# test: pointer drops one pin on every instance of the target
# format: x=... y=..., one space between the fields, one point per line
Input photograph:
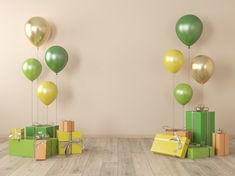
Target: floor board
x=115 y=157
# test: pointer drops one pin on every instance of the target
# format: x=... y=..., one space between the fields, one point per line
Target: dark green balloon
x=56 y=58
x=183 y=93
x=189 y=29
x=31 y=68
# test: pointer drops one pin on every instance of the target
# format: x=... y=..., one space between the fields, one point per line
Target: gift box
x=54 y=145
x=16 y=133
x=23 y=147
x=201 y=125
x=67 y=125
x=41 y=131
x=178 y=132
x=198 y=152
x=43 y=149
x=221 y=143
x=170 y=145
x=70 y=143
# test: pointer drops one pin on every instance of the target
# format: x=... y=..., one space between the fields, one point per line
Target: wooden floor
x=115 y=157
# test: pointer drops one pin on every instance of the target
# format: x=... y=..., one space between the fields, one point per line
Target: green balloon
x=183 y=93
x=56 y=58
x=31 y=68
x=189 y=29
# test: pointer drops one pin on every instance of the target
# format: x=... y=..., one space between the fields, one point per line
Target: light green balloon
x=183 y=93
x=32 y=68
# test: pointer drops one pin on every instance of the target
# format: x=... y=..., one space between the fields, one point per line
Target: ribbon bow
x=15 y=134
x=201 y=107
x=40 y=135
x=68 y=146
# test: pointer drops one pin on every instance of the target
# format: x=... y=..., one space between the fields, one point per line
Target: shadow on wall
x=53 y=32
x=73 y=63
x=206 y=36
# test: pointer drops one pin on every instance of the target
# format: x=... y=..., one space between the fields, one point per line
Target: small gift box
x=24 y=147
x=43 y=149
x=201 y=124
x=221 y=143
x=170 y=145
x=178 y=132
x=41 y=131
x=198 y=152
x=70 y=143
x=67 y=126
x=16 y=133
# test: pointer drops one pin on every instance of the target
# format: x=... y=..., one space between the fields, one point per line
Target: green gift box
x=201 y=124
x=198 y=152
x=41 y=131
x=54 y=146
x=23 y=147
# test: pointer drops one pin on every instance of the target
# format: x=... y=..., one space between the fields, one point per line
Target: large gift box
x=16 y=133
x=23 y=147
x=41 y=131
x=170 y=145
x=198 y=152
x=70 y=142
x=201 y=124
x=221 y=143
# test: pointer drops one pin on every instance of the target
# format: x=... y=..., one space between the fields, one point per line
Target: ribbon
x=15 y=134
x=38 y=148
x=174 y=139
x=202 y=108
x=41 y=135
x=68 y=145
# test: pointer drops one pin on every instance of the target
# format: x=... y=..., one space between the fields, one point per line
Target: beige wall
x=115 y=83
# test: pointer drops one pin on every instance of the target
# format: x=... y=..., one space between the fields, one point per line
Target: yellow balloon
x=173 y=60
x=47 y=92
x=202 y=68
x=37 y=30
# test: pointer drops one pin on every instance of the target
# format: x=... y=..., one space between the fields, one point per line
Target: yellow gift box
x=70 y=142
x=16 y=133
x=170 y=145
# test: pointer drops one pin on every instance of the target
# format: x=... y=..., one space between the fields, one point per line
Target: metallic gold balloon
x=202 y=68
x=47 y=92
x=37 y=30
x=173 y=60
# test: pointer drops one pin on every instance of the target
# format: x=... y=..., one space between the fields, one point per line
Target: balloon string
x=56 y=108
x=37 y=53
x=189 y=64
x=202 y=94
x=32 y=103
x=173 y=102
x=183 y=121
x=189 y=61
x=47 y=114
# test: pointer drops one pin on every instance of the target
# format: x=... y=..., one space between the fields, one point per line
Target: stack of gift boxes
x=198 y=140
x=44 y=141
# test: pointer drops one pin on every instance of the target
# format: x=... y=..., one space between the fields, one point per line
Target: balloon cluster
x=188 y=29
x=38 y=31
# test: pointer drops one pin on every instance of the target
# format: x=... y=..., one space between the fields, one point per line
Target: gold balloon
x=173 y=60
x=202 y=68
x=37 y=30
